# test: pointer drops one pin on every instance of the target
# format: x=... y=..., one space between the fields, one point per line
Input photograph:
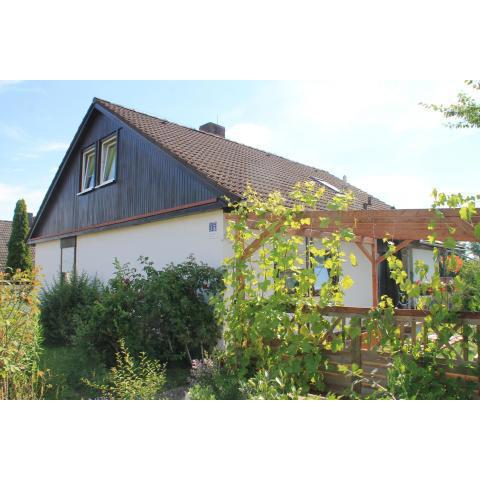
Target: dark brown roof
x=5 y=231
x=232 y=165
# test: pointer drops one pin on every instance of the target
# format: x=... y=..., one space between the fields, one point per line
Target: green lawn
x=67 y=366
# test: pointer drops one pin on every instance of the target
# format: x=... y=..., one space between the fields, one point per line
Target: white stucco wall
x=47 y=259
x=360 y=294
x=163 y=242
x=425 y=255
x=174 y=240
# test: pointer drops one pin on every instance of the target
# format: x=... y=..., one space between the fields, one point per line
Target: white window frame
x=87 y=154
x=103 y=156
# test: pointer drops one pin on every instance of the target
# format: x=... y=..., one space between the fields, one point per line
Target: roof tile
x=232 y=165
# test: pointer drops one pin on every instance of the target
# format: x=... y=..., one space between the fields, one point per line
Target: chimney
x=30 y=219
x=213 y=128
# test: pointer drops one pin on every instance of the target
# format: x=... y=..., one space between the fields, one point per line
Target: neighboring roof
x=5 y=231
x=232 y=165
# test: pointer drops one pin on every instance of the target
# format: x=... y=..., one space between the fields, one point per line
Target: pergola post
x=374 y=273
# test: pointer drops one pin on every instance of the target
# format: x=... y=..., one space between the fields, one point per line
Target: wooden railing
x=363 y=349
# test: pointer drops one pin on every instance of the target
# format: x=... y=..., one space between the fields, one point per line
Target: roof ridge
x=210 y=134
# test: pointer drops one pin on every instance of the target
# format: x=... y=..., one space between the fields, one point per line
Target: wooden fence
x=362 y=350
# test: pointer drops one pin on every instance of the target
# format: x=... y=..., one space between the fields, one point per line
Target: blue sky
x=372 y=131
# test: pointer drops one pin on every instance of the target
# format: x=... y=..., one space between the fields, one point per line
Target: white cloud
x=9 y=194
x=250 y=134
x=4 y=84
x=12 y=132
x=52 y=147
x=400 y=191
x=336 y=106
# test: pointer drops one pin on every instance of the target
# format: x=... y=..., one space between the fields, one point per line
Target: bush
x=264 y=387
x=210 y=380
x=132 y=379
x=471 y=294
x=164 y=313
x=20 y=337
x=414 y=377
x=65 y=305
x=198 y=392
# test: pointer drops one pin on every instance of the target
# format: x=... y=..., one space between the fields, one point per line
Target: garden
x=259 y=328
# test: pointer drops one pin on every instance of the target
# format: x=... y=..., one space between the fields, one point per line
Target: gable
x=148 y=181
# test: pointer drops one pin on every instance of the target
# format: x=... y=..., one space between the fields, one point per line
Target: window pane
x=68 y=259
x=111 y=156
x=88 y=170
x=321 y=274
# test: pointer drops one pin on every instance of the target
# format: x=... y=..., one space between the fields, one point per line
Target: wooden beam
x=364 y=250
x=398 y=247
x=257 y=243
x=374 y=275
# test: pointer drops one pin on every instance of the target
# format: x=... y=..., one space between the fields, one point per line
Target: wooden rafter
x=402 y=225
x=361 y=246
x=406 y=224
x=402 y=244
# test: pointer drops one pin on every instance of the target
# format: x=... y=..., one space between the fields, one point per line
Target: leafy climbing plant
x=269 y=309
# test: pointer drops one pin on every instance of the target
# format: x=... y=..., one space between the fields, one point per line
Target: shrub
x=20 y=337
x=471 y=277
x=177 y=311
x=422 y=377
x=210 y=380
x=132 y=379
x=65 y=305
x=165 y=313
x=264 y=387
x=115 y=316
x=199 y=392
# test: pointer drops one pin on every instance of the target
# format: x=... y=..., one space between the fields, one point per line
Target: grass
x=67 y=366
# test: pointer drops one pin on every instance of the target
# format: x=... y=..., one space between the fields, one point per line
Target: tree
x=466 y=114
x=19 y=255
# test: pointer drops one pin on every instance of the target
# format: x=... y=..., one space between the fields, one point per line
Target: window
x=328 y=185
x=321 y=273
x=108 y=164
x=68 y=248
x=88 y=170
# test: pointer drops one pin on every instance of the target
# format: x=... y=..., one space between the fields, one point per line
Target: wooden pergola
x=404 y=226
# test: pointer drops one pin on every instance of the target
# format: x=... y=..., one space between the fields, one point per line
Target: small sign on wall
x=212 y=230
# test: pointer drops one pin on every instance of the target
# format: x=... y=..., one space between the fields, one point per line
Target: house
x=5 y=232
x=132 y=184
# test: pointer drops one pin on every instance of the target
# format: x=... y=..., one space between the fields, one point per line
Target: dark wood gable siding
x=148 y=179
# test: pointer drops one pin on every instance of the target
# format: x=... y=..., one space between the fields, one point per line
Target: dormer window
x=88 y=169
x=328 y=185
x=108 y=165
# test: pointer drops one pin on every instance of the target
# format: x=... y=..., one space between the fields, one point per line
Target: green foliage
x=165 y=313
x=132 y=379
x=211 y=379
x=178 y=311
x=263 y=387
x=65 y=305
x=19 y=256
x=465 y=113
x=20 y=337
x=268 y=308
x=200 y=392
x=471 y=292
x=68 y=365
